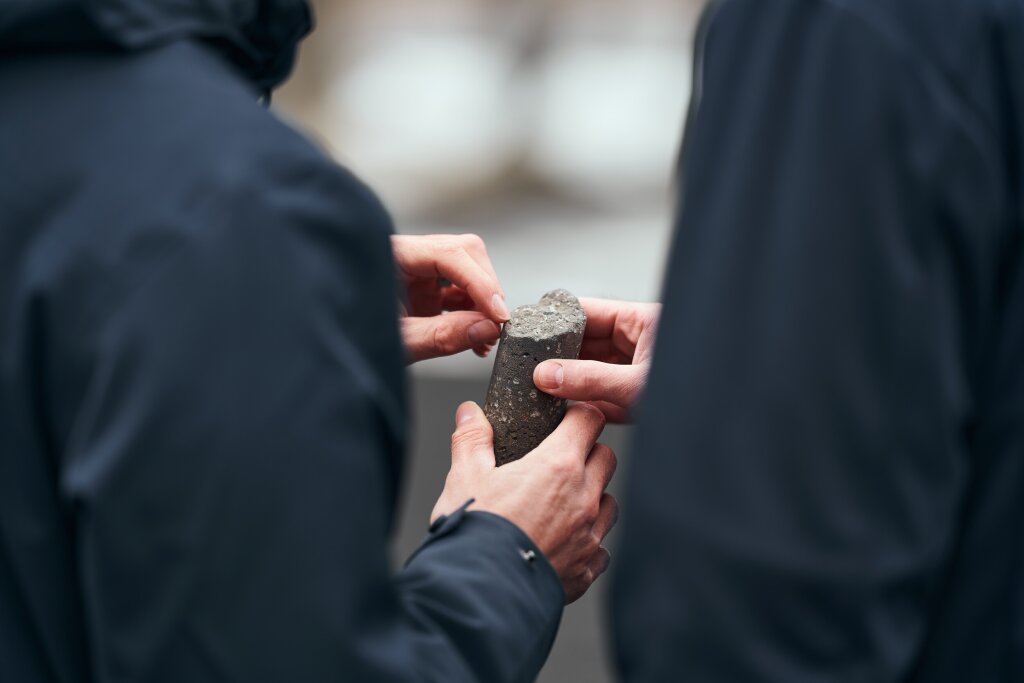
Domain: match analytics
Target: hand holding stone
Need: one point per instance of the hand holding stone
(555, 493)
(448, 273)
(614, 361)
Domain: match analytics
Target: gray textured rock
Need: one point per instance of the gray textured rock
(521, 414)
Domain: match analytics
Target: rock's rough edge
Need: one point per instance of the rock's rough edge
(543, 313)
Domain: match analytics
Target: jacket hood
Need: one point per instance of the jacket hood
(259, 36)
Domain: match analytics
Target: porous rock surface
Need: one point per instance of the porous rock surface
(522, 415)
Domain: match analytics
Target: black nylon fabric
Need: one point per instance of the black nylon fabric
(259, 36)
(828, 473)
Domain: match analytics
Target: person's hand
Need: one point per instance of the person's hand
(555, 493)
(448, 273)
(614, 361)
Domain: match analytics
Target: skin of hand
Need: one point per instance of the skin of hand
(555, 493)
(616, 356)
(454, 299)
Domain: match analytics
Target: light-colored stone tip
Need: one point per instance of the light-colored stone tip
(557, 313)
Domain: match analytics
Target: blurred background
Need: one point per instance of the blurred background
(548, 127)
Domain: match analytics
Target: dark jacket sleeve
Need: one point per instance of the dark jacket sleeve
(802, 450)
(231, 465)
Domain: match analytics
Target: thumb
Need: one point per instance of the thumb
(447, 334)
(589, 380)
(473, 439)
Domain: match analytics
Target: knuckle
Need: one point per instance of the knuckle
(578, 568)
(612, 505)
(588, 380)
(563, 466)
(450, 249)
(587, 578)
(593, 543)
(445, 338)
(473, 240)
(590, 512)
(604, 455)
(613, 459)
(589, 413)
(470, 437)
(595, 415)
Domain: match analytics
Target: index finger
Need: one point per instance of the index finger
(622, 323)
(601, 316)
(577, 433)
(444, 256)
(478, 250)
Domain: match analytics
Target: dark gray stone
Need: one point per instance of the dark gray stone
(522, 415)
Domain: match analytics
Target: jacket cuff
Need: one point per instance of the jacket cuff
(527, 554)
(484, 567)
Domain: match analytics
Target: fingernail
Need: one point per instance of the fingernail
(550, 375)
(467, 411)
(483, 332)
(498, 304)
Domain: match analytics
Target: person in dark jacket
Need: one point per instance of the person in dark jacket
(202, 403)
(828, 470)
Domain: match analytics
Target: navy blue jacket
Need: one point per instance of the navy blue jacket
(202, 412)
(828, 481)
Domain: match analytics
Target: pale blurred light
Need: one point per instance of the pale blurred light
(422, 113)
(608, 116)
